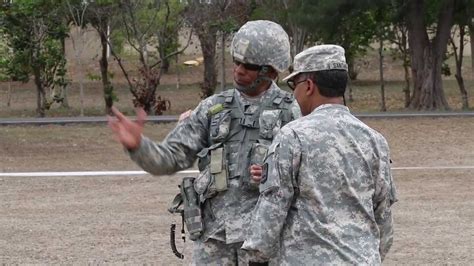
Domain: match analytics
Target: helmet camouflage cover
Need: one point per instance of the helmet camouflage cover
(264, 43)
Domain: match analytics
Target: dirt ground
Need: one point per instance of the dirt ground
(123, 219)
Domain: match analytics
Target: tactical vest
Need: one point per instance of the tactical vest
(239, 136)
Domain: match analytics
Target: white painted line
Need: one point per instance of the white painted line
(434, 167)
(84, 173)
(127, 173)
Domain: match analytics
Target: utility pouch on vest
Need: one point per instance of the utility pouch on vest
(270, 123)
(217, 169)
(204, 185)
(192, 210)
(258, 153)
(220, 125)
(212, 176)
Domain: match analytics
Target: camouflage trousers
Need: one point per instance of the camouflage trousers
(214, 252)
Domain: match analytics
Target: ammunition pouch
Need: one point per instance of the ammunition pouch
(212, 176)
(270, 123)
(191, 208)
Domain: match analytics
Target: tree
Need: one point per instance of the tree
(353, 27)
(463, 18)
(100, 15)
(381, 18)
(207, 18)
(471, 35)
(169, 21)
(399, 37)
(427, 53)
(458, 52)
(34, 30)
(5, 61)
(77, 11)
(139, 19)
(293, 15)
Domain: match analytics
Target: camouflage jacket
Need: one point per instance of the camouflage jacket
(226, 214)
(326, 193)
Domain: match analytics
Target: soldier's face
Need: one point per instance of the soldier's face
(299, 84)
(245, 74)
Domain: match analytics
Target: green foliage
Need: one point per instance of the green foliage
(95, 77)
(5, 59)
(109, 93)
(34, 31)
(169, 21)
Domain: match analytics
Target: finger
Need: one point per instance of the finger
(256, 173)
(118, 114)
(255, 167)
(111, 119)
(112, 123)
(256, 178)
(141, 115)
(113, 126)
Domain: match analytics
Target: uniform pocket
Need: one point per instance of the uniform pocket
(220, 126)
(270, 123)
(204, 185)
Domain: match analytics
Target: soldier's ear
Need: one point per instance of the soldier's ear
(310, 87)
(272, 73)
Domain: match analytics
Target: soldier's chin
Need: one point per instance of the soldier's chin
(241, 85)
(240, 88)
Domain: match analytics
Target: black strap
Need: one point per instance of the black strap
(173, 242)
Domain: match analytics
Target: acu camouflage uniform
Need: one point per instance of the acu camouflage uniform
(326, 190)
(227, 132)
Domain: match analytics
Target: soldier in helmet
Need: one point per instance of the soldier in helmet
(326, 187)
(227, 133)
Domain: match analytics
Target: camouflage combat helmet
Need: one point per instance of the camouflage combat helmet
(264, 43)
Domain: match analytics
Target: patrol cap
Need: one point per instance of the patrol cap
(318, 58)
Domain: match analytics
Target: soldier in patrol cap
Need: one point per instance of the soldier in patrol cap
(227, 133)
(326, 187)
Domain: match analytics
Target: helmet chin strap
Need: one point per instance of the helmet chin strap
(252, 88)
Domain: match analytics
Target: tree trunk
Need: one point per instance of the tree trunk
(406, 88)
(406, 67)
(353, 72)
(104, 69)
(222, 62)
(428, 93)
(471, 34)
(383, 106)
(165, 65)
(65, 101)
(40, 93)
(178, 73)
(462, 88)
(208, 47)
(427, 56)
(298, 39)
(350, 97)
(9, 96)
(458, 57)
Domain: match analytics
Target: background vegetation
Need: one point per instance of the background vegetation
(410, 51)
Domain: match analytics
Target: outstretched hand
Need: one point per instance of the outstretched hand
(126, 131)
